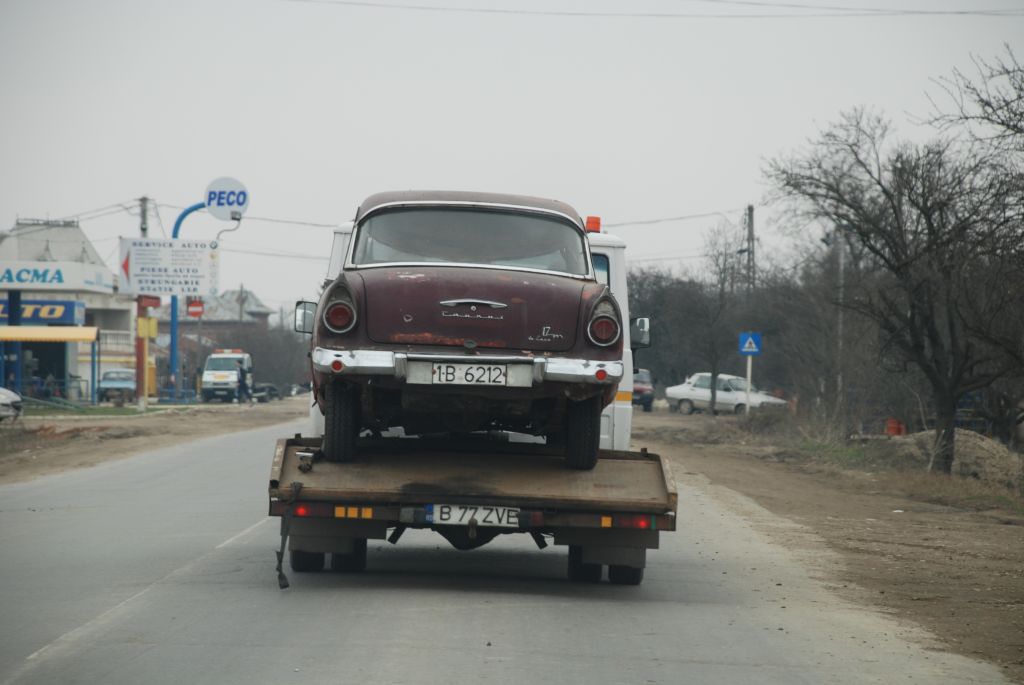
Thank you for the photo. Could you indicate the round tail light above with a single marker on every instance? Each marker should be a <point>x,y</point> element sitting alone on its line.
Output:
<point>339,317</point>
<point>604,331</point>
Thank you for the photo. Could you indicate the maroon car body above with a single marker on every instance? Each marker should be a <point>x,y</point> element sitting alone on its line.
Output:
<point>461,312</point>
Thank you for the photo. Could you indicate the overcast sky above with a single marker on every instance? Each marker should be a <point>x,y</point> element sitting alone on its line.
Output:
<point>315,105</point>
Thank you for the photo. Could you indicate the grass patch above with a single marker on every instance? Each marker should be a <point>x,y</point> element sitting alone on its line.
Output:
<point>953,491</point>
<point>36,412</point>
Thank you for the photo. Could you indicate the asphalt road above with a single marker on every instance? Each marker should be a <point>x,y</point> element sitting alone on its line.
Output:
<point>160,569</point>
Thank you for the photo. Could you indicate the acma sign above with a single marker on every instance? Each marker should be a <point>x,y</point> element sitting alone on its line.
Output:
<point>31,276</point>
<point>65,276</point>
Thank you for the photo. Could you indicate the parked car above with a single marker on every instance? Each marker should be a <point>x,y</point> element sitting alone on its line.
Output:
<point>264,392</point>
<point>10,404</point>
<point>695,395</point>
<point>459,312</point>
<point>643,389</point>
<point>117,384</point>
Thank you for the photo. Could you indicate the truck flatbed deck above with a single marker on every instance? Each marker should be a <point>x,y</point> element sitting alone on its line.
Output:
<point>470,491</point>
<point>508,475</point>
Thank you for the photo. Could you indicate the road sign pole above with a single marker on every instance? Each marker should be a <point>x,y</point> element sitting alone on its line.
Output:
<point>174,306</point>
<point>750,377</point>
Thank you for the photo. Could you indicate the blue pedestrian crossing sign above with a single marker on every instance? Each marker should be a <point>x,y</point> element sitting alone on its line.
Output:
<point>750,344</point>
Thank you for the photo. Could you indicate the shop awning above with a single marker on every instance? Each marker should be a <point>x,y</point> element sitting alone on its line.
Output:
<point>48,333</point>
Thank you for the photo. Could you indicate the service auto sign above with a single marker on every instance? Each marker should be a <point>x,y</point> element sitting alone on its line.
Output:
<point>168,267</point>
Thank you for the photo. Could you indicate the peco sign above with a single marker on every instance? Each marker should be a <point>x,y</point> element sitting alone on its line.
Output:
<point>227,199</point>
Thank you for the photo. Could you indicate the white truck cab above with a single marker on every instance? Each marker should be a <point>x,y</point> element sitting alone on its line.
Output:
<point>220,374</point>
<point>609,256</point>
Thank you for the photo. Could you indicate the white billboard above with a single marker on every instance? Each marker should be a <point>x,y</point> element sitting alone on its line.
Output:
<point>168,267</point>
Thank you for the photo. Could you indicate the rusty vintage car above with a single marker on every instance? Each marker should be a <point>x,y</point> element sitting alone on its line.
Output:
<point>460,312</point>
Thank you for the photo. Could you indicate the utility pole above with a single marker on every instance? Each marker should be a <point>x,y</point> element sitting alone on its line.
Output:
<point>144,216</point>
<point>241,301</point>
<point>751,265</point>
<point>141,353</point>
<point>841,248</point>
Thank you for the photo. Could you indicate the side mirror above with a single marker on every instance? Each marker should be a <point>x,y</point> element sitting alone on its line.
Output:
<point>305,315</point>
<point>640,333</point>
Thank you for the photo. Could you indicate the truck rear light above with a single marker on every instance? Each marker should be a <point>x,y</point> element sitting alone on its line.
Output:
<point>637,521</point>
<point>337,366</point>
<point>601,374</point>
<point>603,331</point>
<point>340,317</point>
<point>301,510</point>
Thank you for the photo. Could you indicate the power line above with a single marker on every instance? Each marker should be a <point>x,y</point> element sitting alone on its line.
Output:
<point>276,254</point>
<point>685,217</point>
<point>120,206</point>
<point>840,9</point>
<point>665,15</point>
<point>159,219</point>
<point>272,220</point>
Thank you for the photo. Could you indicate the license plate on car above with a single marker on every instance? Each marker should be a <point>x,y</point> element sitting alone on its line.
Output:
<point>462,514</point>
<point>444,373</point>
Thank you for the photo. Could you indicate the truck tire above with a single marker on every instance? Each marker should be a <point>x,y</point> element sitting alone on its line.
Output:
<point>306,562</point>
<point>353,562</point>
<point>685,407</point>
<point>580,572</point>
<point>625,575</point>
<point>341,421</point>
<point>583,433</point>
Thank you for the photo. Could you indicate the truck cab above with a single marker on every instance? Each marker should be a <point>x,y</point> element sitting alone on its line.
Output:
<point>220,374</point>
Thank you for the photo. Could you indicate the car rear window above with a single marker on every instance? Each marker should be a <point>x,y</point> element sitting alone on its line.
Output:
<point>471,236</point>
<point>642,377</point>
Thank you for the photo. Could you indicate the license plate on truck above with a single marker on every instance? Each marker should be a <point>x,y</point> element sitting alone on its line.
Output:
<point>462,514</point>
<point>469,374</point>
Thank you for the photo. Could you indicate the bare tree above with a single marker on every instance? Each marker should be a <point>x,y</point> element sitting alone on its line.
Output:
<point>990,104</point>
<point>938,224</point>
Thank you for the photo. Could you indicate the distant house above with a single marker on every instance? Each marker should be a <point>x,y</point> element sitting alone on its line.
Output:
<point>229,312</point>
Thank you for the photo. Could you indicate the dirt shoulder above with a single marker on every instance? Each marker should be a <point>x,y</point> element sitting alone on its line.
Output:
<point>958,572</point>
<point>34,447</point>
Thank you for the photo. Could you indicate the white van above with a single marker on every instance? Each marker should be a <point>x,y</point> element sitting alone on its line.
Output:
<point>220,374</point>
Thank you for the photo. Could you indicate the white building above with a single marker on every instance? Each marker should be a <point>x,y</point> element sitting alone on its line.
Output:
<point>63,281</point>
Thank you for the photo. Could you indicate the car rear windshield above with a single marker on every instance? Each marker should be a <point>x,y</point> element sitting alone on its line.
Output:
<point>119,376</point>
<point>471,236</point>
<point>221,363</point>
<point>642,377</point>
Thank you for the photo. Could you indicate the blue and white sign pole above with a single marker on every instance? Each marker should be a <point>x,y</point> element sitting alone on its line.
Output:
<point>226,199</point>
<point>174,303</point>
<point>750,347</point>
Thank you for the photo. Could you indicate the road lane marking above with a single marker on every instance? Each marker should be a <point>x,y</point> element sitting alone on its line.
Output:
<point>68,639</point>
<point>243,533</point>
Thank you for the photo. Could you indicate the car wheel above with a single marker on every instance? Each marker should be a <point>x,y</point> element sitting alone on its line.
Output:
<point>583,433</point>
<point>648,405</point>
<point>625,575</point>
<point>580,572</point>
<point>353,562</point>
<point>341,421</point>
<point>306,562</point>
<point>685,407</point>
<point>739,409</point>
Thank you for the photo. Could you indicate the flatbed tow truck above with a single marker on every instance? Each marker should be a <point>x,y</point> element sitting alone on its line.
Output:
<point>470,491</point>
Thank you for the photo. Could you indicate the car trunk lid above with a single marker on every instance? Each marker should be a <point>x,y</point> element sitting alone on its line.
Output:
<point>493,308</point>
